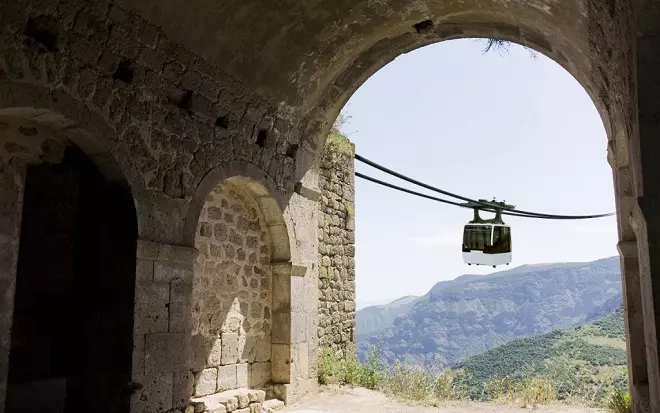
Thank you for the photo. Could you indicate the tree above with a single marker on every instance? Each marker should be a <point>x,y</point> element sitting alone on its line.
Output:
<point>502,47</point>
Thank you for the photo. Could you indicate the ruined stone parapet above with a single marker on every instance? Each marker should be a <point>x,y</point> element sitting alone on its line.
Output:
<point>336,247</point>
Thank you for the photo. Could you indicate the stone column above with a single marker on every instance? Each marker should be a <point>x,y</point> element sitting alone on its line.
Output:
<point>289,351</point>
<point>162,327</point>
<point>337,247</point>
<point>644,150</point>
<point>12,179</point>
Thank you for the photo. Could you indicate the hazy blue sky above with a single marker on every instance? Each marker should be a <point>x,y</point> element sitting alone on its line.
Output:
<point>507,126</point>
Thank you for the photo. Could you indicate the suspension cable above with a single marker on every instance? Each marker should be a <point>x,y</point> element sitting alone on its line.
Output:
<point>453,195</point>
<point>445,201</point>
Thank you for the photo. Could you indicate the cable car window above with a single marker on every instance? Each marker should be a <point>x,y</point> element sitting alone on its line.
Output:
<point>506,236</point>
<point>476,237</point>
<point>497,239</point>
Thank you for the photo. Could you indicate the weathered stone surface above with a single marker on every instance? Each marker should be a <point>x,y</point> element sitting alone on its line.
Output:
<point>230,350</point>
<point>182,388</point>
<point>215,353</point>
<point>273,405</point>
<point>206,382</point>
<point>242,375</point>
<point>256,396</point>
<point>227,377</point>
<point>259,374</point>
<point>155,395</point>
<point>336,249</point>
<point>232,285</point>
<point>166,352</point>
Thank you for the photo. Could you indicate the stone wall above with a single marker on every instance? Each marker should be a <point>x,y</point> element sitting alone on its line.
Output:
<point>336,247</point>
<point>232,297</point>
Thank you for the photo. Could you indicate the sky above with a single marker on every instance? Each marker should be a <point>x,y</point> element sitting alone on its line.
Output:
<point>499,125</point>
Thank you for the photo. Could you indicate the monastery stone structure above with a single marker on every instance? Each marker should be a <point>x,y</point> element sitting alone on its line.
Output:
<point>171,226</point>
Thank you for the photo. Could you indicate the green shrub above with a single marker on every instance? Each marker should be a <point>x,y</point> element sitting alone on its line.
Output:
<point>619,402</point>
<point>330,367</point>
<point>408,383</point>
<point>451,385</point>
<point>334,369</point>
<point>373,370</point>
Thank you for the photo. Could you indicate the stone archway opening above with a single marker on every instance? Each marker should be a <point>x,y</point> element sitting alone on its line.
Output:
<point>240,295</point>
<point>70,331</point>
<point>385,51</point>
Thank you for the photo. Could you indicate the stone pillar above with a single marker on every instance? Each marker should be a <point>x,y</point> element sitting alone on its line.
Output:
<point>644,147</point>
<point>289,351</point>
<point>162,327</point>
<point>634,321</point>
<point>337,247</point>
<point>12,179</point>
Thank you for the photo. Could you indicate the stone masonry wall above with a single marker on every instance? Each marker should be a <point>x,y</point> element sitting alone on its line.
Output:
<point>231,295</point>
<point>336,247</point>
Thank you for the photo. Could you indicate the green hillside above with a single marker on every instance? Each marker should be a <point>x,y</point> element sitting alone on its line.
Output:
<point>583,363</point>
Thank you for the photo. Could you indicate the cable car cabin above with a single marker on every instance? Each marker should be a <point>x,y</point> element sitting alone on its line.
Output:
<point>487,244</point>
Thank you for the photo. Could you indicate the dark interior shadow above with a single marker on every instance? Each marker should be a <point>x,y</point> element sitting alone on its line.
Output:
<point>72,333</point>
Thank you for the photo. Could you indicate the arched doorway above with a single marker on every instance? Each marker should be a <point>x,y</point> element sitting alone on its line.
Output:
<point>71,339</point>
<point>241,298</point>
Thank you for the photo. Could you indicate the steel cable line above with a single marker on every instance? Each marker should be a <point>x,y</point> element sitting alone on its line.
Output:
<point>450,194</point>
<point>488,208</point>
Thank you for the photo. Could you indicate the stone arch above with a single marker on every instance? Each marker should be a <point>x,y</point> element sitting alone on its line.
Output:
<point>331,100</point>
<point>241,298</point>
<point>70,122</point>
<point>69,225</point>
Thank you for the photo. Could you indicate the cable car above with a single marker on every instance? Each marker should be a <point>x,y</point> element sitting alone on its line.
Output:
<point>487,242</point>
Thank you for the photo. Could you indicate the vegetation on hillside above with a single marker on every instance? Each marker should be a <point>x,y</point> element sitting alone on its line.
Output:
<point>584,365</point>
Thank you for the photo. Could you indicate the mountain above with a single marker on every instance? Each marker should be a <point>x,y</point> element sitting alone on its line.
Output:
<point>474,313</point>
<point>583,362</point>
<point>370,320</point>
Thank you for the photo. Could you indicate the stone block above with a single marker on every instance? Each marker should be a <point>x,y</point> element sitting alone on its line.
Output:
<point>144,270</point>
<point>206,382</point>
<point>263,349</point>
<point>298,327</point>
<point>250,349</point>
<point>300,355</point>
<point>256,408</point>
<point>166,272</point>
<point>151,312</point>
<point>242,375</point>
<point>242,355</point>
<point>281,329</point>
<point>256,396</point>
<point>155,395</point>
<point>273,404</point>
<point>215,353</point>
<point>244,410</point>
<point>227,377</point>
<point>138,357</point>
<point>200,349</point>
<point>230,351</point>
<point>242,398</point>
<point>166,252</point>
<point>259,374</point>
<point>182,388</point>
<point>281,363</point>
<point>180,315</point>
<point>166,352</point>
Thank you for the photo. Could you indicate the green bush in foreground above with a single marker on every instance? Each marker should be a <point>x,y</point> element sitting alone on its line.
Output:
<point>619,402</point>
<point>336,370</point>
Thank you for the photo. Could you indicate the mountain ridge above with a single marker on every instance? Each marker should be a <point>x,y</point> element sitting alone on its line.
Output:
<point>473,313</point>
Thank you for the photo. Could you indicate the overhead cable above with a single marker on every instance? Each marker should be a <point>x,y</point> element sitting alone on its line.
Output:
<point>485,205</point>
<point>445,201</point>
